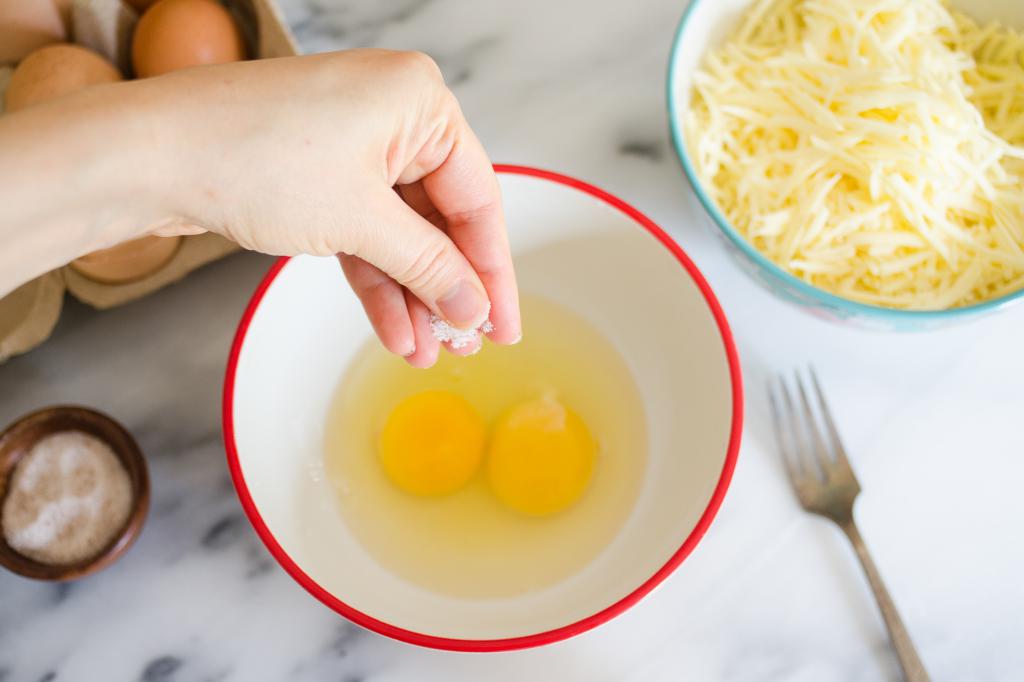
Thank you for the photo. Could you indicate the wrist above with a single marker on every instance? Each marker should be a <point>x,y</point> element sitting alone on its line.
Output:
<point>133,166</point>
<point>78,175</point>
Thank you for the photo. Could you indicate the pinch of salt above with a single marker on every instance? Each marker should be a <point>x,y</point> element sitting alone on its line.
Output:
<point>446,332</point>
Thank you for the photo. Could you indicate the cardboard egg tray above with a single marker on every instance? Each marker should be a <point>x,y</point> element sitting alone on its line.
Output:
<point>29,313</point>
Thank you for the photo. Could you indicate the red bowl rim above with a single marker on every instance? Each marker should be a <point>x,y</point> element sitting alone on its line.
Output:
<point>549,636</point>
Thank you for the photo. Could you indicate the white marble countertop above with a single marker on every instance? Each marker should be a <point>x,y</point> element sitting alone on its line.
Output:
<point>933,423</point>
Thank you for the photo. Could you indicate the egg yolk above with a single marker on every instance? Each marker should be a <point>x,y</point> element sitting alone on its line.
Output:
<point>432,443</point>
<point>540,458</point>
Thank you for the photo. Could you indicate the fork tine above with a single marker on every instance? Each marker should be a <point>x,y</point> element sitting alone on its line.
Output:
<point>826,415</point>
<point>797,437</point>
<point>817,445</point>
<point>780,426</point>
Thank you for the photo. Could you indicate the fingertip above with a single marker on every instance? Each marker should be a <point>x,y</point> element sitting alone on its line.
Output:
<point>505,336</point>
<point>508,328</point>
<point>427,347</point>
<point>506,339</point>
<point>423,358</point>
<point>400,341</point>
<point>471,348</point>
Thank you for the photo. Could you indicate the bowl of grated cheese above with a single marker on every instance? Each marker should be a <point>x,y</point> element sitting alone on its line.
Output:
<point>863,160</point>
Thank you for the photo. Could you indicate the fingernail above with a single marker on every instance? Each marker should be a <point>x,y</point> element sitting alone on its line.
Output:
<point>464,305</point>
<point>409,353</point>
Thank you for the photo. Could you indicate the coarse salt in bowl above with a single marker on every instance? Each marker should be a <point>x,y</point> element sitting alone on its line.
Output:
<point>304,326</point>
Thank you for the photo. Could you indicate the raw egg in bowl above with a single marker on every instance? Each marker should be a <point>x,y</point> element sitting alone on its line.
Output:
<point>513,498</point>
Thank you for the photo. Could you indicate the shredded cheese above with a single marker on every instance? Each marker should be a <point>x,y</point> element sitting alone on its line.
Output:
<point>873,148</point>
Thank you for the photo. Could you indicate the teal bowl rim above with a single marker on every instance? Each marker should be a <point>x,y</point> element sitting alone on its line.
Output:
<point>809,290</point>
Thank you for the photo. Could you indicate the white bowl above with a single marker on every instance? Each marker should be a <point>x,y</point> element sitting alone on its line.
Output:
<point>576,245</point>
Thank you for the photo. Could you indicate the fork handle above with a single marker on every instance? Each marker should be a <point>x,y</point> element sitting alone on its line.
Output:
<point>913,669</point>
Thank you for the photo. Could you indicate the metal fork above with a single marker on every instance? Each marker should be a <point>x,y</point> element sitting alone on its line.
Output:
<point>825,485</point>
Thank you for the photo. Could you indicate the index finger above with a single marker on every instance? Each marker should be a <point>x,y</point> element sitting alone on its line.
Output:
<point>464,190</point>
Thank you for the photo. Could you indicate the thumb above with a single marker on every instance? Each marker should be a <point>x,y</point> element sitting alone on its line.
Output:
<point>422,258</point>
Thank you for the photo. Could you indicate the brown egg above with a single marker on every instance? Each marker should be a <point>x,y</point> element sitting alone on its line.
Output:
<point>56,70</point>
<point>27,25</point>
<point>129,261</point>
<point>176,34</point>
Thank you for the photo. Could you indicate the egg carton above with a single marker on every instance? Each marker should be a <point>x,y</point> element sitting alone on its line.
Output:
<point>29,313</point>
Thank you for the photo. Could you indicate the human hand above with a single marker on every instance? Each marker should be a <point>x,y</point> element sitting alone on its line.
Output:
<point>364,154</point>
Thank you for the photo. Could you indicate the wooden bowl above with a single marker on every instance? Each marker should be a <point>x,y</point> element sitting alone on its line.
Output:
<point>18,438</point>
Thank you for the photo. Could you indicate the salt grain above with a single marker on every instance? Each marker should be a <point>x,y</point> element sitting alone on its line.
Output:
<point>445,332</point>
<point>69,497</point>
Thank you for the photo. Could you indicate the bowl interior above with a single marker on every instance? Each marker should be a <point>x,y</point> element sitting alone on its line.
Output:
<point>570,246</point>
<point>705,25</point>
